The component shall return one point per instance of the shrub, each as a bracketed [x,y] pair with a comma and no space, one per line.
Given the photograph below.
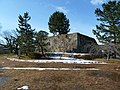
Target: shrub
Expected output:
[77,56]
[87,57]
[35,55]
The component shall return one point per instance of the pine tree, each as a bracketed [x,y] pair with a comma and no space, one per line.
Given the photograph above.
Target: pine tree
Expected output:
[25,34]
[58,23]
[108,32]
[109,29]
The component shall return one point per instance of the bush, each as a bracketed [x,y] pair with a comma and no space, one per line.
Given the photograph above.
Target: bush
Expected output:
[77,56]
[35,55]
[87,57]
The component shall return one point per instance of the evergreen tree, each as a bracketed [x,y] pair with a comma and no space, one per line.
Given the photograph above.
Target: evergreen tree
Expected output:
[58,23]
[109,29]
[41,41]
[25,34]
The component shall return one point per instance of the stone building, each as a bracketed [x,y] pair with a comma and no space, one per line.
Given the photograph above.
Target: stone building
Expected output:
[75,42]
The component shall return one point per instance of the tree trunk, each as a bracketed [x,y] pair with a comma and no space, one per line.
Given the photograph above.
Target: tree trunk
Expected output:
[42,50]
[108,56]
[114,55]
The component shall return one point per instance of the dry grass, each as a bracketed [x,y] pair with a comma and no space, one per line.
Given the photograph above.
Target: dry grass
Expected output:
[63,80]
[107,78]
[117,61]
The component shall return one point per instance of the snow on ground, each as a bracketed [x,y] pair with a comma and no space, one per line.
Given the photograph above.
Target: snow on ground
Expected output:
[57,59]
[57,53]
[63,60]
[30,68]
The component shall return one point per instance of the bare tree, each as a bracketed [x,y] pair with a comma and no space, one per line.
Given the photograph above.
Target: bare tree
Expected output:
[107,50]
[9,40]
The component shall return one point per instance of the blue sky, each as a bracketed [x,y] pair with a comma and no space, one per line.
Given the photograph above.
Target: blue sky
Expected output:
[79,12]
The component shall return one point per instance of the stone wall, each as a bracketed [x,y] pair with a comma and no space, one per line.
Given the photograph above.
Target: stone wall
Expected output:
[69,43]
[83,42]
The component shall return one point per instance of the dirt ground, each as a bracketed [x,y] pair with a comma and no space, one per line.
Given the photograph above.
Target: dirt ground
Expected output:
[107,78]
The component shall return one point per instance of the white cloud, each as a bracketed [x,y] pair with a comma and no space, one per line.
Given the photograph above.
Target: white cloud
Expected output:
[62,9]
[96,2]
[59,8]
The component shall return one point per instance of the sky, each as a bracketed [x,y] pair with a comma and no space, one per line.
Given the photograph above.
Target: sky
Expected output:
[79,12]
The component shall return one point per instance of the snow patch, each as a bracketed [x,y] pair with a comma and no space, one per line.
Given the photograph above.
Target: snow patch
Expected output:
[30,68]
[66,60]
